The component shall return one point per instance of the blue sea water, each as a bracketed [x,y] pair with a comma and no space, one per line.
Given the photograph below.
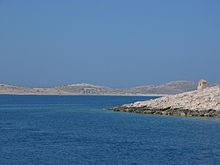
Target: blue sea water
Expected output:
[76,130]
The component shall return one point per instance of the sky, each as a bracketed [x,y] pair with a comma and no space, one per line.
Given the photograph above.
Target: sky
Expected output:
[116,43]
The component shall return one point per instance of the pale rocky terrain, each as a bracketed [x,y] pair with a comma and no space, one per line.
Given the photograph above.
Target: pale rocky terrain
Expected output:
[205,102]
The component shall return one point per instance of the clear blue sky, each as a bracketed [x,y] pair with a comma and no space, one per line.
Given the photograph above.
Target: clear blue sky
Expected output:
[116,43]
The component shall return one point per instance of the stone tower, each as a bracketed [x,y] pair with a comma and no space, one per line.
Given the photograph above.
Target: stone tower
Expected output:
[202,84]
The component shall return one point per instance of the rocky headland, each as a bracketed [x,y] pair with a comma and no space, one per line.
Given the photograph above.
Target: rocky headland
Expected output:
[204,102]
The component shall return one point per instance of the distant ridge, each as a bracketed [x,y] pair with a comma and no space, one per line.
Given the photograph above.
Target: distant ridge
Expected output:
[85,88]
[83,84]
[173,87]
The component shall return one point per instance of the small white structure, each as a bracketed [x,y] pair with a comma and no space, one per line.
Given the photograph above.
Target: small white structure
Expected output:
[202,84]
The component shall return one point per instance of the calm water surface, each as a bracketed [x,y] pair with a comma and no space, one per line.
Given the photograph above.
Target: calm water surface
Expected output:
[75,130]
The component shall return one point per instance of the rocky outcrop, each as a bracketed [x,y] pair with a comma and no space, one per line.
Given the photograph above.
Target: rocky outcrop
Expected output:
[205,102]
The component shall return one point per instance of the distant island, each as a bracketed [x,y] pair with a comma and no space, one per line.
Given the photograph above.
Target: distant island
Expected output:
[170,88]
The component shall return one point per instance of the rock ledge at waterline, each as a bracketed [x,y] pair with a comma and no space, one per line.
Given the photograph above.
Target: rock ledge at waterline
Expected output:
[205,102]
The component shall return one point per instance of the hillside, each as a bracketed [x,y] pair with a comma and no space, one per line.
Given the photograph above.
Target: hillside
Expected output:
[174,87]
[85,89]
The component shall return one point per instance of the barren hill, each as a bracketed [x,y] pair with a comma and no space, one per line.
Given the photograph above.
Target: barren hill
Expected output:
[85,89]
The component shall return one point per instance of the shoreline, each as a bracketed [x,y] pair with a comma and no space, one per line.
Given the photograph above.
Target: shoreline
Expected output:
[168,112]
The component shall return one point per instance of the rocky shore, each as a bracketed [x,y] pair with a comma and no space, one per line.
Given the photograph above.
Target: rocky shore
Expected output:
[205,102]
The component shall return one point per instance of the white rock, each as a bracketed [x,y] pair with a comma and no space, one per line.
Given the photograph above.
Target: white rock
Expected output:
[205,99]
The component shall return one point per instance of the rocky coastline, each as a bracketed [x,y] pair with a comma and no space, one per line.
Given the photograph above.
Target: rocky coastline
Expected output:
[203,103]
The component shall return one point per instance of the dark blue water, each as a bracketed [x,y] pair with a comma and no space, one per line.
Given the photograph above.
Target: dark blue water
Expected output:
[75,130]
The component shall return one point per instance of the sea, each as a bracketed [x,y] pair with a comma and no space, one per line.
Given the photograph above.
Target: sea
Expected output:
[76,130]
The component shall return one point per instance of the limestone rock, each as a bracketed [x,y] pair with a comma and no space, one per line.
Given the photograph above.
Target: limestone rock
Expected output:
[204,102]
